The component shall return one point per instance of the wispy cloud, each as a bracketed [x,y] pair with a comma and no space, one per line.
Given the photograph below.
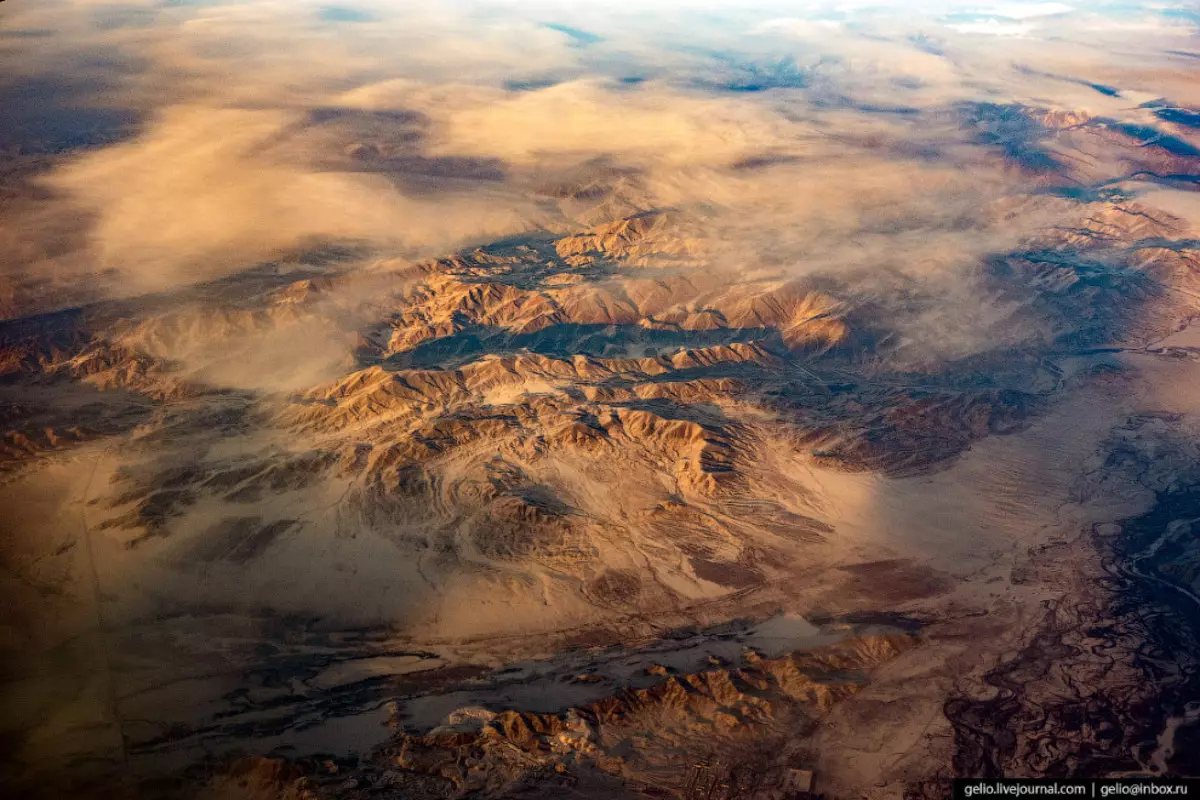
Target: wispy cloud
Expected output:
[206,190]
[263,126]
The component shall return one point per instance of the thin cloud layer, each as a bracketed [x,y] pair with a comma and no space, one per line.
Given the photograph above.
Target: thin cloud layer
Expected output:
[244,145]
[204,191]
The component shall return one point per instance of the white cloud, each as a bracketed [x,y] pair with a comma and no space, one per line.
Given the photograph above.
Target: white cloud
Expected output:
[795,26]
[1028,10]
[993,27]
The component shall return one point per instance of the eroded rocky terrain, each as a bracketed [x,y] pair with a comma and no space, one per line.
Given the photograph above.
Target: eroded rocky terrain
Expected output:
[711,481]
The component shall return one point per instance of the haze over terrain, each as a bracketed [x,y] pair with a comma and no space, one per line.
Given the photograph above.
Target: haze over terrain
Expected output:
[529,399]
